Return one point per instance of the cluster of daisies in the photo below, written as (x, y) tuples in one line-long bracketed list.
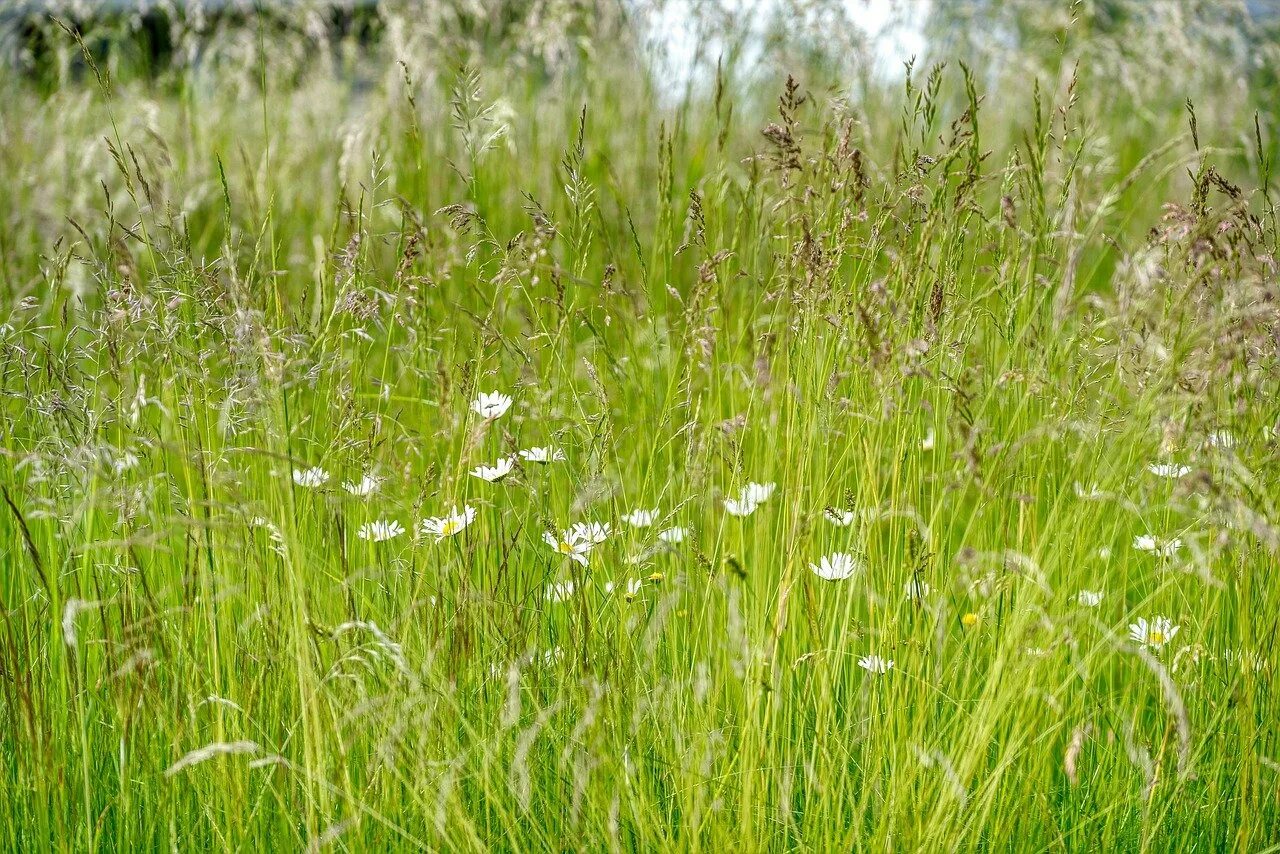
[(577, 542)]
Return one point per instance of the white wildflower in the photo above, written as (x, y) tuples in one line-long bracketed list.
[(380, 531), (448, 526), (492, 405), (593, 532), (836, 567), (1089, 598), (840, 518), (1170, 470), (1163, 548), (495, 472), (542, 455), (310, 478), (560, 590), (367, 485), (916, 589), (571, 544), (641, 518), (1155, 634), (674, 535), (875, 664)]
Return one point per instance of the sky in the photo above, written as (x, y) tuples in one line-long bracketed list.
[(895, 30)]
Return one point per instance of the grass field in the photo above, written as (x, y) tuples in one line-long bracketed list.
[(473, 441)]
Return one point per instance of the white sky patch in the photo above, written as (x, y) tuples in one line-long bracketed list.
[(894, 31)]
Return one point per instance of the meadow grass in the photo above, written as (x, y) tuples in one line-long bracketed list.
[(1004, 334)]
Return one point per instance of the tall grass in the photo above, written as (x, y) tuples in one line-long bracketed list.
[(1004, 332)]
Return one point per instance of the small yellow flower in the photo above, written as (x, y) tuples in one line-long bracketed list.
[(969, 620), (656, 578)]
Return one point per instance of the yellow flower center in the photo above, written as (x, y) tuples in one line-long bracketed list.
[(566, 548), (1156, 637), (451, 527)]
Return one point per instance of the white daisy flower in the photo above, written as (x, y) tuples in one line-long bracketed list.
[(1171, 470), (840, 518), (1244, 658), (758, 493), (593, 532), (1163, 548), (310, 478), (1220, 439), (380, 531), (674, 535), (560, 590), (451, 525), (836, 567), (570, 544), (542, 455), (630, 591), (495, 472), (1089, 598), (641, 518), (737, 507), (1155, 634), (1090, 492), (367, 485), (916, 589), (491, 405), (875, 664)]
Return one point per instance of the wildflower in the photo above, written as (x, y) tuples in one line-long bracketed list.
[(367, 485), (841, 518), (1220, 439), (560, 590), (492, 405), (495, 472), (752, 496), (735, 507), (310, 478), (758, 493), (929, 441), (875, 664), (570, 544), (448, 526), (916, 589), (969, 620), (836, 567), (593, 532), (674, 535), (380, 531), (1170, 470), (630, 591), (655, 577), (641, 518), (542, 455), (1089, 598), (1155, 634), (1163, 548), (1244, 658), (1090, 492)]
